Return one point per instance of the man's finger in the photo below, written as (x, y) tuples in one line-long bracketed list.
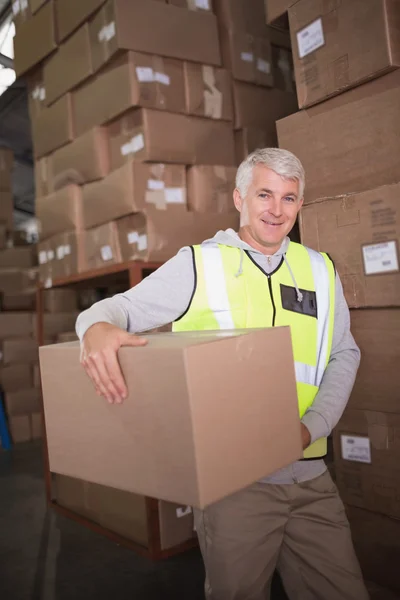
[(132, 340), (92, 372), (115, 374), (111, 391)]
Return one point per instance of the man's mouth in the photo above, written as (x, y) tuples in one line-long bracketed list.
[(270, 223)]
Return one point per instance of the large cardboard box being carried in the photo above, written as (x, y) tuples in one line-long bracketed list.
[(361, 232), (344, 135), (334, 50), (180, 436)]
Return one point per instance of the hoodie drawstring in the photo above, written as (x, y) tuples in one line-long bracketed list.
[(240, 269), (298, 292)]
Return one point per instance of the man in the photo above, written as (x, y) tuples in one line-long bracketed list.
[(293, 520)]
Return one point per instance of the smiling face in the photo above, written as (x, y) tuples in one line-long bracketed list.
[(269, 209)]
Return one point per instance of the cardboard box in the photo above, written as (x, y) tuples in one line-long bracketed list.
[(26, 428), (249, 58), (378, 381), (376, 541), (56, 323), (20, 256), (16, 281), (276, 11), (22, 402), (83, 160), (158, 235), (16, 324), (16, 351), (69, 66), (44, 183), (35, 39), (366, 448), (132, 188), (34, 5), (36, 92), (61, 256), (208, 91), (249, 139), (191, 4), (9, 302), (282, 60), (198, 466), (156, 136), (361, 232), (61, 211), (132, 79), (72, 13), (261, 107), (329, 58), (67, 336), (36, 375), (6, 209), (175, 33), (21, 12), (54, 127), (210, 189), (16, 377), (60, 300), (3, 236), (123, 512), (315, 135), (6, 169), (235, 15), (102, 246)]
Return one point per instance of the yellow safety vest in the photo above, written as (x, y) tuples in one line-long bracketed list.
[(227, 298)]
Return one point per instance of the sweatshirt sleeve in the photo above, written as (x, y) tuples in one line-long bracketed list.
[(340, 373), (159, 299)]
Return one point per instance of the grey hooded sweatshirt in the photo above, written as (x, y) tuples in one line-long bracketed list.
[(165, 295)]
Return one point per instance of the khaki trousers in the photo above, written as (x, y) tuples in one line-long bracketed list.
[(300, 529)]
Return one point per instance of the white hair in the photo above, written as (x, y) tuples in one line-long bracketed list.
[(283, 162)]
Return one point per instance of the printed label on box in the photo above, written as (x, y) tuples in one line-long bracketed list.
[(106, 253), (133, 146), (263, 66), (174, 196), (155, 184), (162, 78), (380, 258), (42, 257), (142, 242), (145, 74), (107, 32), (133, 237), (247, 56), (50, 255), (355, 448), (203, 4), (67, 250), (60, 252), (183, 512), (310, 38), (48, 283)]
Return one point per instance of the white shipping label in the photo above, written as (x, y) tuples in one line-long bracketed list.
[(204, 4), (142, 242), (16, 7), (48, 283), (134, 145), (106, 253), (133, 237), (60, 252), (67, 250), (355, 448), (155, 184), (310, 38), (162, 78), (247, 56), (50, 254), (145, 74), (380, 258), (42, 93), (183, 512), (42, 257), (174, 196), (263, 66), (107, 32)]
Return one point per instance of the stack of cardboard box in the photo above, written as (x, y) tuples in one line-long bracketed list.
[(348, 137), (133, 97)]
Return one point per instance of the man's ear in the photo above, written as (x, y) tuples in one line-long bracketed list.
[(301, 202), (237, 200)]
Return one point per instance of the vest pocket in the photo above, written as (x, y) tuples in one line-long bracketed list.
[(308, 305)]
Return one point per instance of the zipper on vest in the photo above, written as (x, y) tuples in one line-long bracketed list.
[(272, 300)]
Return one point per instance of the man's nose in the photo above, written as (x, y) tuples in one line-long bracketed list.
[(275, 207)]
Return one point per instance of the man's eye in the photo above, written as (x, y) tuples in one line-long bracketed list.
[(289, 199), (263, 195)]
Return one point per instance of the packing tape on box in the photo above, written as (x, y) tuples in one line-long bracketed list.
[(135, 144), (168, 195), (213, 98), (221, 189)]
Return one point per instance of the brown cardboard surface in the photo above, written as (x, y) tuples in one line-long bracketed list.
[(235, 15), (132, 188), (34, 5), (374, 484), (208, 91), (158, 235), (56, 323), (156, 136), (22, 402), (67, 336), (361, 232), (282, 60), (275, 9), (102, 246), (61, 211), (36, 92), (35, 39), (316, 136), (175, 33), (20, 256), (61, 255), (16, 377), (376, 540), (21, 13), (210, 189), (131, 79), (249, 139), (377, 385), (25, 301), (18, 351), (6, 169), (69, 66), (198, 466), (60, 300), (54, 127), (191, 4), (83, 160), (16, 281), (176, 524), (3, 236), (72, 13), (15, 324), (35, 374), (6, 208), (249, 58), (344, 60), (44, 184), (261, 107)]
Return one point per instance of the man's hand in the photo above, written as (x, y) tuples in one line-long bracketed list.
[(305, 436), (99, 357)]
